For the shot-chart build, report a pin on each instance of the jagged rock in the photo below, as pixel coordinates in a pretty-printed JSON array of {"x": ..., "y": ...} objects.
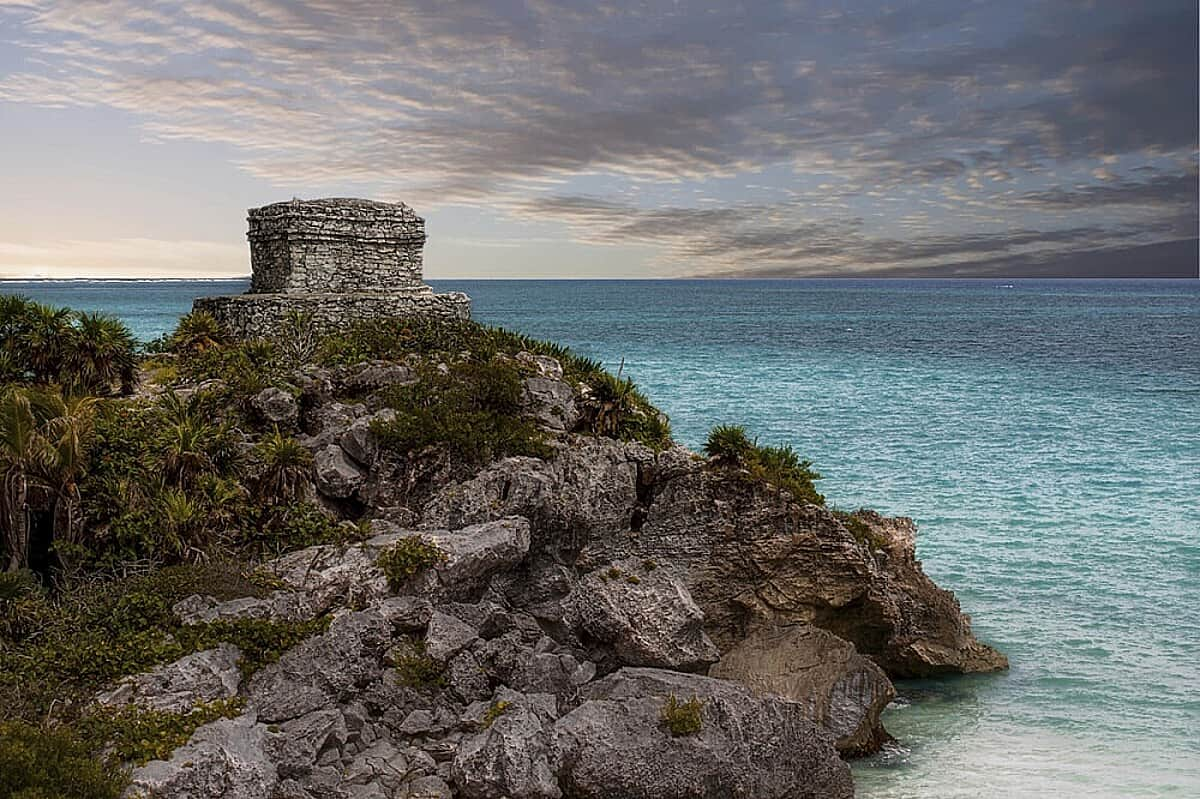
[
  {"x": 838, "y": 688},
  {"x": 178, "y": 687},
  {"x": 359, "y": 442},
  {"x": 279, "y": 606},
  {"x": 327, "y": 668},
  {"x": 373, "y": 375},
  {"x": 550, "y": 403},
  {"x": 906, "y": 623},
  {"x": 223, "y": 760},
  {"x": 328, "y": 420},
  {"x": 276, "y": 406},
  {"x": 588, "y": 490},
  {"x": 557, "y": 673},
  {"x": 544, "y": 365},
  {"x": 297, "y": 745},
  {"x": 337, "y": 476},
  {"x": 328, "y": 575},
  {"x": 473, "y": 553},
  {"x": 430, "y": 787},
  {"x": 447, "y": 636},
  {"x": 646, "y": 616},
  {"x": 406, "y": 613},
  {"x": 514, "y": 755},
  {"x": 466, "y": 679},
  {"x": 382, "y": 765},
  {"x": 614, "y": 746}
]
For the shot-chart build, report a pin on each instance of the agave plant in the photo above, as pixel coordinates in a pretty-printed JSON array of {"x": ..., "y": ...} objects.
[{"x": 286, "y": 468}]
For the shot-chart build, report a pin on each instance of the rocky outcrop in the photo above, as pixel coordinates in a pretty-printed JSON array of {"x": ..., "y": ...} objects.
[
  {"x": 645, "y": 616},
  {"x": 614, "y": 745},
  {"x": 178, "y": 687},
  {"x": 837, "y": 687},
  {"x": 571, "y": 597}
]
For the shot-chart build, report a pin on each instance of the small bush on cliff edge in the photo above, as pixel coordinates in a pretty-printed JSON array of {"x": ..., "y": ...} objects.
[{"x": 777, "y": 466}]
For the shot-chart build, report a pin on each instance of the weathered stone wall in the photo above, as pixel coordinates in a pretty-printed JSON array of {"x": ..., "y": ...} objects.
[
  {"x": 336, "y": 245},
  {"x": 335, "y": 261},
  {"x": 254, "y": 315}
]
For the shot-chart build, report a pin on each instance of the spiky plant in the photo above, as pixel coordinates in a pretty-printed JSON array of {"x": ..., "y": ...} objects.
[
  {"x": 286, "y": 468},
  {"x": 729, "y": 443},
  {"x": 196, "y": 332},
  {"x": 101, "y": 352}
]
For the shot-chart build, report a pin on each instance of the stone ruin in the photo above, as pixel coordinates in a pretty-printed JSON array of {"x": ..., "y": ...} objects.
[{"x": 334, "y": 261}]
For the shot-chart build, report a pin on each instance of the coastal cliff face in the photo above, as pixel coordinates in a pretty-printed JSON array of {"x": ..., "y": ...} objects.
[{"x": 604, "y": 619}]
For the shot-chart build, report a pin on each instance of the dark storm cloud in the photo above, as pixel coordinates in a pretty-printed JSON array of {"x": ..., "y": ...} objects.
[{"x": 920, "y": 114}]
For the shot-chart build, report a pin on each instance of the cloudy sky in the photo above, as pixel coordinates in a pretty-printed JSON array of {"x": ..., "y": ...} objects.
[{"x": 609, "y": 139}]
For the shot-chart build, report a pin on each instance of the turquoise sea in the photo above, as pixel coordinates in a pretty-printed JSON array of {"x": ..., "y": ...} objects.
[{"x": 1044, "y": 434}]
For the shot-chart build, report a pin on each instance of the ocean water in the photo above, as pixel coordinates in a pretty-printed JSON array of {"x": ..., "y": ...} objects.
[{"x": 1044, "y": 434}]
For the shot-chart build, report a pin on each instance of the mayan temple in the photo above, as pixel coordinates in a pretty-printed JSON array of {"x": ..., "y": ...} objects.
[{"x": 335, "y": 261}]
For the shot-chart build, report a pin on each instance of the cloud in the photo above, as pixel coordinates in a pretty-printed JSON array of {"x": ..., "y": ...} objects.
[{"x": 929, "y": 131}]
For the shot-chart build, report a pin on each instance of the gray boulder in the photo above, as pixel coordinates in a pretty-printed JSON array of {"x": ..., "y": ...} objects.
[
  {"x": 837, "y": 687},
  {"x": 328, "y": 575},
  {"x": 279, "y": 606},
  {"x": 223, "y": 760},
  {"x": 473, "y": 554},
  {"x": 615, "y": 746},
  {"x": 276, "y": 406},
  {"x": 646, "y": 616},
  {"x": 178, "y": 687},
  {"x": 550, "y": 403},
  {"x": 359, "y": 442},
  {"x": 324, "y": 670},
  {"x": 447, "y": 636},
  {"x": 514, "y": 754},
  {"x": 544, "y": 365},
  {"x": 337, "y": 476},
  {"x": 297, "y": 745}
]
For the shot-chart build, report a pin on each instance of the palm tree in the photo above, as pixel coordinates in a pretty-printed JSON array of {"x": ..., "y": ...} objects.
[
  {"x": 100, "y": 353},
  {"x": 43, "y": 444},
  {"x": 66, "y": 436},
  {"x": 47, "y": 333},
  {"x": 20, "y": 452},
  {"x": 196, "y": 332}
]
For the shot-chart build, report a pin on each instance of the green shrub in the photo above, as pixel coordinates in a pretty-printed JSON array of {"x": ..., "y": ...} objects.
[
  {"x": 682, "y": 718},
  {"x": 473, "y": 411},
  {"x": 47, "y": 762},
  {"x": 863, "y": 533},
  {"x": 134, "y": 734},
  {"x": 261, "y": 641},
  {"x": 495, "y": 710},
  {"x": 777, "y": 466},
  {"x": 407, "y": 558},
  {"x": 415, "y": 668},
  {"x": 88, "y": 353},
  {"x": 196, "y": 332},
  {"x": 102, "y": 630},
  {"x": 729, "y": 443},
  {"x": 286, "y": 466}
]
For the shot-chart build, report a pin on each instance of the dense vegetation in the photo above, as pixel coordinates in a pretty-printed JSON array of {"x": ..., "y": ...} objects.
[
  {"x": 779, "y": 466},
  {"x": 115, "y": 505}
]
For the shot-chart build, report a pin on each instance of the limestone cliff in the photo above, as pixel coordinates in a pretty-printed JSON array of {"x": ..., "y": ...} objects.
[{"x": 563, "y": 614}]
